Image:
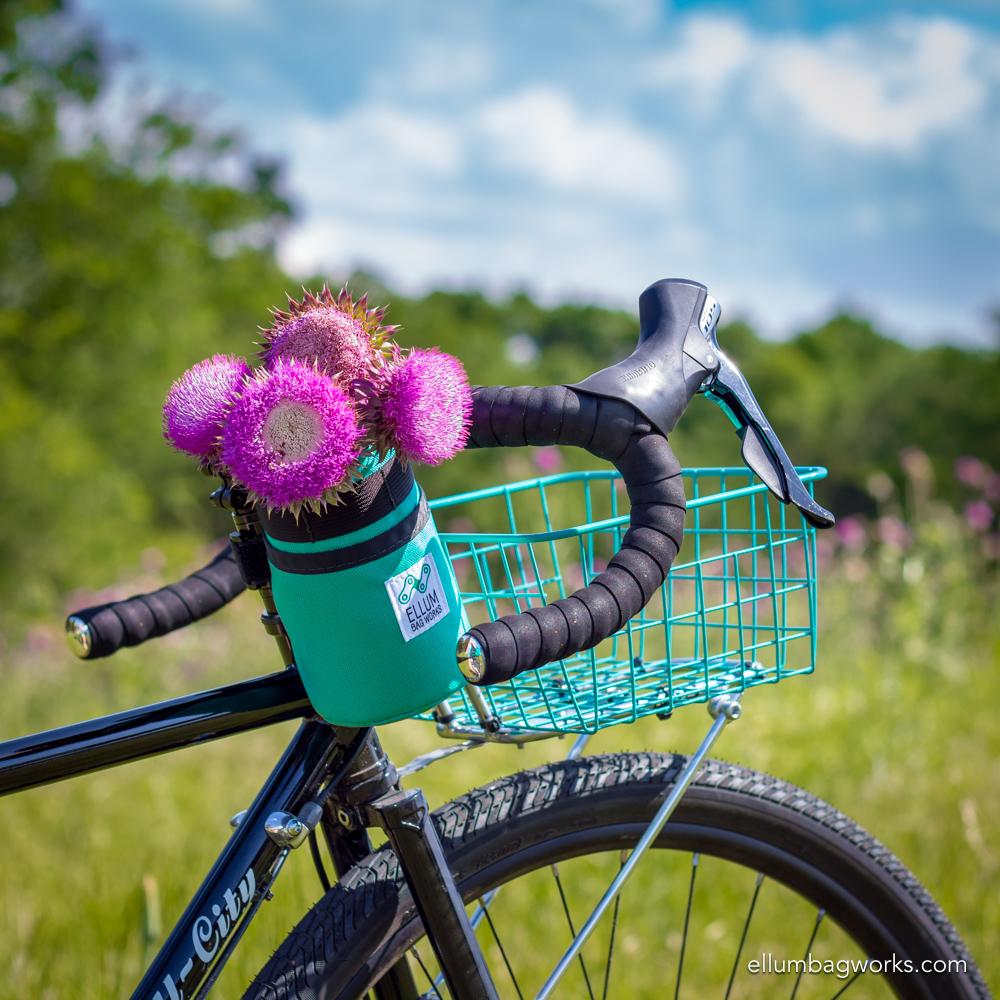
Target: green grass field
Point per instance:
(897, 728)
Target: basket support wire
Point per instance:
(575, 751)
(724, 709)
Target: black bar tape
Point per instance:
(145, 616)
(612, 430)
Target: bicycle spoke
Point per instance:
(572, 929)
(820, 914)
(846, 986)
(486, 900)
(430, 981)
(687, 924)
(743, 936)
(503, 951)
(614, 929)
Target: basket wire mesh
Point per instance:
(738, 608)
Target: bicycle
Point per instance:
(736, 611)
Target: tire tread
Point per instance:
(326, 932)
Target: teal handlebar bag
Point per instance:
(369, 600)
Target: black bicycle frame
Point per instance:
(321, 759)
(321, 762)
(143, 732)
(240, 880)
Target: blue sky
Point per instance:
(793, 156)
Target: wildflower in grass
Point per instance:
(293, 437)
(572, 575)
(198, 402)
(892, 532)
(991, 488)
(851, 532)
(341, 337)
(548, 460)
(856, 569)
(979, 515)
(970, 471)
(991, 547)
(423, 406)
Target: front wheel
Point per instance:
(754, 888)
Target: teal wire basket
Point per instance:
(737, 610)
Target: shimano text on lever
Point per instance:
(678, 356)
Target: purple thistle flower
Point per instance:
(340, 335)
(892, 532)
(427, 406)
(197, 403)
(970, 471)
(979, 515)
(335, 341)
(851, 532)
(292, 436)
(548, 460)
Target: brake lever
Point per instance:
(677, 357)
(761, 450)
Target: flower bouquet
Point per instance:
(322, 434)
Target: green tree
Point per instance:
(128, 253)
(123, 259)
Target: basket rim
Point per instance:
(807, 473)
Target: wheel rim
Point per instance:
(701, 885)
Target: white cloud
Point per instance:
(499, 181)
(591, 146)
(707, 53)
(383, 134)
(417, 163)
(374, 153)
(541, 134)
(438, 68)
(894, 91)
(583, 252)
(891, 88)
(320, 241)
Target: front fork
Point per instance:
(370, 796)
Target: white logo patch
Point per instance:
(418, 599)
